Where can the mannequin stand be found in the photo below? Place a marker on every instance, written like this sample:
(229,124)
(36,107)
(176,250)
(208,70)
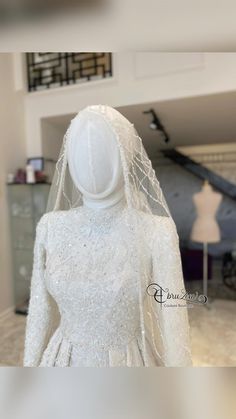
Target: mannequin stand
(205,271)
(205,268)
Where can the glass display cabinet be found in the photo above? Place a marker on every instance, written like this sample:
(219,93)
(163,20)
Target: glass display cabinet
(27,203)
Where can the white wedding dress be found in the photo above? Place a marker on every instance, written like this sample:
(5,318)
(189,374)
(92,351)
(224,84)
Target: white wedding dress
(89,303)
(91,274)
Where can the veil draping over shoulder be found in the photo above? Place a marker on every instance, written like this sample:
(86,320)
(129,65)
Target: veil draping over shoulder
(142,189)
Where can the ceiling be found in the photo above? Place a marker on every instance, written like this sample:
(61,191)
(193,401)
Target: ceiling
(190,121)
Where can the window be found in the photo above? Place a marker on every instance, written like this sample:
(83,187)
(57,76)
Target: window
(49,70)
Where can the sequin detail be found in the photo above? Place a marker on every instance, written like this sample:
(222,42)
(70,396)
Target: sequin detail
(86,261)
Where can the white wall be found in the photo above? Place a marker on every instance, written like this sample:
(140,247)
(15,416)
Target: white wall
(51,137)
(12,155)
(51,142)
(138,78)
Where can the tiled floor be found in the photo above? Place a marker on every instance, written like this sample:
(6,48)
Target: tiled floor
(213,334)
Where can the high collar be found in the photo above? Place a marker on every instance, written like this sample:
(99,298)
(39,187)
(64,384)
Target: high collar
(101,204)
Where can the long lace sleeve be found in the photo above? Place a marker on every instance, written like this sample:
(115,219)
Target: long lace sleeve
(171,314)
(42,309)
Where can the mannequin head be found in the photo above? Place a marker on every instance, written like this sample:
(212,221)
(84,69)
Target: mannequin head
(94,160)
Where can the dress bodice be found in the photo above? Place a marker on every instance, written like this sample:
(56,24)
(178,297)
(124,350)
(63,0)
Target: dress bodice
(91,274)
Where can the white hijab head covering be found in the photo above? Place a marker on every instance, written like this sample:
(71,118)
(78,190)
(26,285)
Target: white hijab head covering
(94,160)
(101,153)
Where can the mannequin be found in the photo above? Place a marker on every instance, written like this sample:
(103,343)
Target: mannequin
(205,228)
(94,261)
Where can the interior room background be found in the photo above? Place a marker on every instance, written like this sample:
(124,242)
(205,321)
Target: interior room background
(193,95)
